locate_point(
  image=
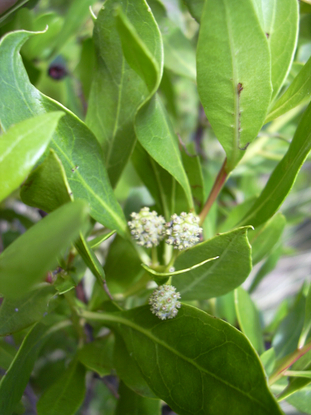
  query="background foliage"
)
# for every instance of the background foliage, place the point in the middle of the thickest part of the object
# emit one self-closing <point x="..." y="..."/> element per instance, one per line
<point x="198" y="106"/>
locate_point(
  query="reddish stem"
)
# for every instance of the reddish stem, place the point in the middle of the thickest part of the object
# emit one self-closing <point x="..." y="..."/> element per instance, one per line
<point x="290" y="360"/>
<point x="219" y="182"/>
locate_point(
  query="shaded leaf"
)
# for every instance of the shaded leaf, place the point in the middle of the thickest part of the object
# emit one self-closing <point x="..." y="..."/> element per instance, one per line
<point x="155" y="133"/>
<point x="116" y="83"/>
<point x="268" y="360"/>
<point x="233" y="65"/>
<point x="98" y="355"/>
<point x="21" y="147"/>
<point x="248" y="318"/>
<point x="218" y="277"/>
<point x="266" y="237"/>
<point x="13" y="384"/>
<point x="195" y="8"/>
<point x="130" y="403"/>
<point x="34" y="253"/>
<point x="179" y="54"/>
<point x="283" y="176"/>
<point x="16" y="315"/>
<point x="66" y="395"/>
<point x="73" y="142"/>
<point x="279" y="20"/>
<point x="297" y="93"/>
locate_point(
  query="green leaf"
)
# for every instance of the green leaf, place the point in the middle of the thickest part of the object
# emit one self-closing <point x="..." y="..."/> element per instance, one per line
<point x="98" y="240"/>
<point x="66" y="395"/>
<point x="155" y="133"/>
<point x="266" y="237"/>
<point x="13" y="384"/>
<point x="297" y="93"/>
<point x="299" y="373"/>
<point x="121" y="274"/>
<point x="225" y="308"/>
<point x="76" y="15"/>
<point x="158" y="181"/>
<point x="195" y="8"/>
<point x="301" y="400"/>
<point x="186" y="361"/>
<point x="307" y="322"/>
<point x="21" y="147"/>
<point x="283" y="176"/>
<point x="9" y="7"/>
<point x="29" y="257"/>
<point x="98" y="355"/>
<point x="47" y="187"/>
<point x="218" y="277"/>
<point x="279" y="20"/>
<point x="249" y="319"/>
<point x="73" y="142"/>
<point x="286" y="337"/>
<point x="179" y="54"/>
<point x="130" y="403"/>
<point x="268" y="360"/>
<point x="7" y="353"/>
<point x="233" y="64"/>
<point x="194" y="172"/>
<point x="128" y="370"/>
<point x="16" y="315"/>
<point x="117" y="90"/>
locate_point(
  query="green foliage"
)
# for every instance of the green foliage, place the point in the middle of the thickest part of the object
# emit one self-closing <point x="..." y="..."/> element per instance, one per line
<point x="164" y="105"/>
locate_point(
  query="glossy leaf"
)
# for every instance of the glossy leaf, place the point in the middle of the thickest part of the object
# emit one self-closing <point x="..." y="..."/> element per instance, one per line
<point x="21" y="147"/>
<point x="98" y="240"/>
<point x="155" y="133"/>
<point x="13" y="384"/>
<point x="164" y="358"/>
<point x="117" y="90"/>
<point x="66" y="395"/>
<point x="297" y="93"/>
<point x="179" y="54"/>
<point x="98" y="355"/>
<point x="16" y="315"/>
<point x="47" y="187"/>
<point x="248" y="318"/>
<point x="283" y="176"/>
<point x="266" y="237"/>
<point x="130" y="403"/>
<point x="73" y="142"/>
<point x="29" y="257"/>
<point x="234" y="81"/>
<point x="279" y="20"/>
<point x="218" y="277"/>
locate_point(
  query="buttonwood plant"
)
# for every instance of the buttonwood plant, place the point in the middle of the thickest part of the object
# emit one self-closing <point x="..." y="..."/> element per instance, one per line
<point x="146" y="150"/>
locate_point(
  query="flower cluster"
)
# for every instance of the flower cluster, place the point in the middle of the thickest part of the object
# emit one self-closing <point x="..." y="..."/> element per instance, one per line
<point x="147" y="227"/>
<point x="164" y="302"/>
<point x="183" y="231"/>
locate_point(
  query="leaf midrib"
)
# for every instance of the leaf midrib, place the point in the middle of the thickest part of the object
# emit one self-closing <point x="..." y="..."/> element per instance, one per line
<point x="121" y="320"/>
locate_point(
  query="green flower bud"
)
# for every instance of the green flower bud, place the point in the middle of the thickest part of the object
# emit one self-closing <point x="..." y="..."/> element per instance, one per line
<point x="164" y="302"/>
<point x="183" y="231"/>
<point x="147" y="228"/>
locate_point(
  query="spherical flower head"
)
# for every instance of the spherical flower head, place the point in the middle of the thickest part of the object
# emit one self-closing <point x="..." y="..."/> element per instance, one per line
<point x="164" y="302"/>
<point x="147" y="228"/>
<point x="183" y="231"/>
